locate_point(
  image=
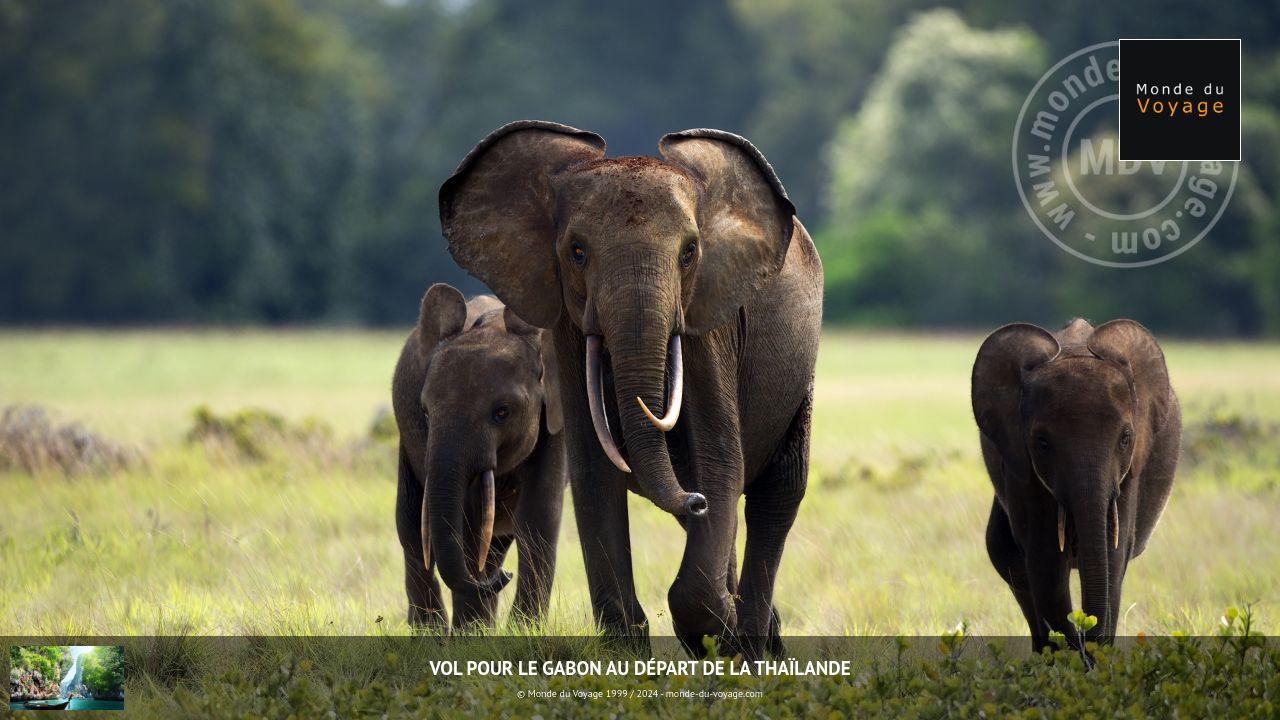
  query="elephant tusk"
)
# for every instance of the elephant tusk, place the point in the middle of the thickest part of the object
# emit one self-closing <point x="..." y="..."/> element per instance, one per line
<point x="486" y="520"/>
<point x="1062" y="529"/>
<point x="595" y="398"/>
<point x="1115" y="524"/>
<point x="675" y="363"/>
<point x="426" y="533"/>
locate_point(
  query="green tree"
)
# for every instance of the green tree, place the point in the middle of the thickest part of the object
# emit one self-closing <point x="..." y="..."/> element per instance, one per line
<point x="45" y="659"/>
<point x="817" y="60"/>
<point x="104" y="669"/>
<point x="924" y="225"/>
<point x="176" y="160"/>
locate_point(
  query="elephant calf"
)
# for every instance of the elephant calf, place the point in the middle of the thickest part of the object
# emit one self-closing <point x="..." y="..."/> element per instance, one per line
<point x="482" y="460"/>
<point x="1080" y="433"/>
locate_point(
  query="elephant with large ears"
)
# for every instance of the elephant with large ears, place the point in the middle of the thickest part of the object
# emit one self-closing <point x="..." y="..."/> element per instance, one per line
<point x="482" y="459"/>
<point x="1080" y="433"/>
<point x="685" y="302"/>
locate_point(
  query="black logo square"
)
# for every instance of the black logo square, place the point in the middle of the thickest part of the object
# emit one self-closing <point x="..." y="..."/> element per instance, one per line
<point x="1179" y="100"/>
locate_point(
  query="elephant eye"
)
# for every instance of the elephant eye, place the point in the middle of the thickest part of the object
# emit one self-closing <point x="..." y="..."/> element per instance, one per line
<point x="1042" y="442"/>
<point x="500" y="413"/>
<point x="1125" y="440"/>
<point x="578" y="252"/>
<point x="689" y="253"/>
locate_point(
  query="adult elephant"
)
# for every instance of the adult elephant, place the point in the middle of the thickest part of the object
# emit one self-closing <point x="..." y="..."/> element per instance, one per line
<point x="685" y="301"/>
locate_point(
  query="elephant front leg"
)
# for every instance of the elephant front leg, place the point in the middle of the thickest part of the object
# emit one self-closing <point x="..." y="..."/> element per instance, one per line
<point x="600" y="509"/>
<point x="537" y="521"/>
<point x="700" y="600"/>
<point x="1011" y="564"/>
<point x="1049" y="576"/>
<point x="773" y="501"/>
<point x="599" y="503"/>
<point x="702" y="597"/>
<point x="426" y="602"/>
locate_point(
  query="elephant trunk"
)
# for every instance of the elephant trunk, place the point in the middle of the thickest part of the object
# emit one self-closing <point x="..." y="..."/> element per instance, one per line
<point x="1094" y="534"/>
<point x="446" y="488"/>
<point x="638" y="315"/>
<point x="642" y="376"/>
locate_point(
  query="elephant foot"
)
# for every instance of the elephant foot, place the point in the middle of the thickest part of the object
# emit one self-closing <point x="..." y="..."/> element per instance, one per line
<point x="756" y="647"/>
<point x="775" y="647"/>
<point x="427" y="620"/>
<point x="698" y="612"/>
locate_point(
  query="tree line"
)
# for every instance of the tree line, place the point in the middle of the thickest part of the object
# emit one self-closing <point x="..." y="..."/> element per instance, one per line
<point x="277" y="161"/>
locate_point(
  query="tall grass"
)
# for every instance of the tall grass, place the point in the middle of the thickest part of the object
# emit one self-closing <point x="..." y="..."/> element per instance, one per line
<point x="888" y="541"/>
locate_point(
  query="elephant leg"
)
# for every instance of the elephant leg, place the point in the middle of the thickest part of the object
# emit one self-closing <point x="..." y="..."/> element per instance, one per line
<point x="599" y="493"/>
<point x="1118" y="568"/>
<point x="773" y="501"/>
<point x="700" y="600"/>
<point x="1049" y="575"/>
<point x="479" y="610"/>
<point x="426" y="603"/>
<point x="729" y="645"/>
<point x="600" y="510"/>
<point x="1010" y="563"/>
<point x="537" y="521"/>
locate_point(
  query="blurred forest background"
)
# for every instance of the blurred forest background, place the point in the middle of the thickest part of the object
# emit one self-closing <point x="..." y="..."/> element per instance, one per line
<point x="277" y="161"/>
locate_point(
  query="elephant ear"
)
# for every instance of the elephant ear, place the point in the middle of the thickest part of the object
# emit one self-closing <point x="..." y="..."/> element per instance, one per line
<point x="1133" y="347"/>
<point x="497" y="211"/>
<point x="745" y="219"/>
<point x="442" y="315"/>
<point x="996" y="391"/>
<point x="541" y="341"/>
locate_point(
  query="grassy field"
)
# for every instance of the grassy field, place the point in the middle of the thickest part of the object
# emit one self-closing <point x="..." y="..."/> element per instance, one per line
<point x="889" y="540"/>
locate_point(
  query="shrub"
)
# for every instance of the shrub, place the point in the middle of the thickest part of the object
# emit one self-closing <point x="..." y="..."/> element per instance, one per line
<point x="256" y="435"/>
<point x="30" y="442"/>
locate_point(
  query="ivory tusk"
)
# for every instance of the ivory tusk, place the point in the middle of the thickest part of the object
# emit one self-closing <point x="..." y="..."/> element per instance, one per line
<point x="1115" y="524"/>
<point x="595" y="398"/>
<point x="1062" y="529"/>
<point x="426" y="533"/>
<point x="675" y="362"/>
<point x="486" y="520"/>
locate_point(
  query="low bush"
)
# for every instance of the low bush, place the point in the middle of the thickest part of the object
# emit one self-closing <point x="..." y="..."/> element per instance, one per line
<point x="31" y="442"/>
<point x="256" y="435"/>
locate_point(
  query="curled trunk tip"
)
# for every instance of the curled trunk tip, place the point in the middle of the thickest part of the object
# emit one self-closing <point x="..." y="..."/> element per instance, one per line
<point x="446" y="523"/>
<point x="695" y="505"/>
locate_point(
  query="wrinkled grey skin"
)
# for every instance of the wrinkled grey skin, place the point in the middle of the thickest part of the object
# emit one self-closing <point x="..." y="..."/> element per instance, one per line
<point x="701" y="244"/>
<point x="462" y="361"/>
<point x="1076" y="420"/>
